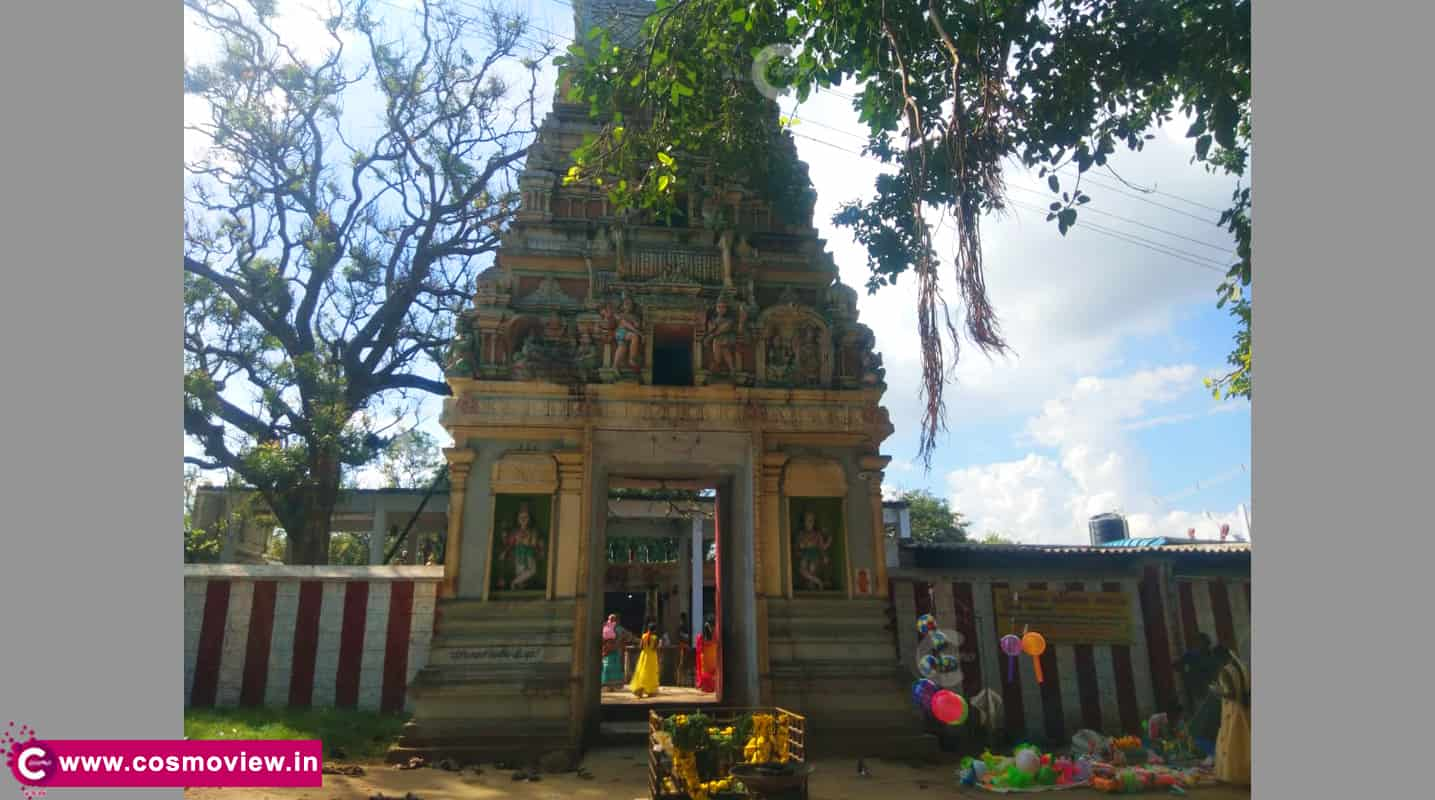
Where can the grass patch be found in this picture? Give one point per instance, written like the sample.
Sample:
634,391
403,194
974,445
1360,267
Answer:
358,735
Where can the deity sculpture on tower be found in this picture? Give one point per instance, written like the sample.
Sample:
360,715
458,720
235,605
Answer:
629,336
721,338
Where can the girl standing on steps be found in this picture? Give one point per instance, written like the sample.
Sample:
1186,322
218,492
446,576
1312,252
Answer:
645,674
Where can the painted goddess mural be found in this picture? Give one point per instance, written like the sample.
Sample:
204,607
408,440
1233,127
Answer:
814,555
522,551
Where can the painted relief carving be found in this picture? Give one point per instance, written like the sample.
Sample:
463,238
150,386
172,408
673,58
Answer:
520,544
523,547
627,336
797,348
817,546
721,338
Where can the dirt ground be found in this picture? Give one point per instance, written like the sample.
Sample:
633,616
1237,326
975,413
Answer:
621,774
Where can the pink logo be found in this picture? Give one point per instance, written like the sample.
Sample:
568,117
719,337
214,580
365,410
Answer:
31,761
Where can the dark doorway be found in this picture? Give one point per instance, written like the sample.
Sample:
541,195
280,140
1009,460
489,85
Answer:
672,355
629,607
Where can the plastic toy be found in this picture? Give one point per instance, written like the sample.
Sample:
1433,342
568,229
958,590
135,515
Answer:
1034,644
1011,645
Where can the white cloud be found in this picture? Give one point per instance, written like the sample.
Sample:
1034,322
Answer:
1067,305
1094,467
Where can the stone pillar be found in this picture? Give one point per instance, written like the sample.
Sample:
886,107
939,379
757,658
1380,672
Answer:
872,467
906,606
378,532
460,462
774,579
695,568
568,533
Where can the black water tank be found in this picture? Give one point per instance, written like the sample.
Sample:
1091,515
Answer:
1106,528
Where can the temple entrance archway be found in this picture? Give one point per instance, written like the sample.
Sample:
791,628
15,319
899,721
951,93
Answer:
719,467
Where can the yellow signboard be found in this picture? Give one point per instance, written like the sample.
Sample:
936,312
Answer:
1065,617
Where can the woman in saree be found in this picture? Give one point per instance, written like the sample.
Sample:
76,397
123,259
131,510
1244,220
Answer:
645,674
706,651
613,638
1233,743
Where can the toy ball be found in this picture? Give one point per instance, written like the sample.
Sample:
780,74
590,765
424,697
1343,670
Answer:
949,707
922,692
938,640
926,623
950,662
928,665
1027,761
963,711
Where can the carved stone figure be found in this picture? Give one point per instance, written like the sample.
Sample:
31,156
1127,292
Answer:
809,355
813,560
521,550
779,359
589,357
462,351
629,336
529,359
721,338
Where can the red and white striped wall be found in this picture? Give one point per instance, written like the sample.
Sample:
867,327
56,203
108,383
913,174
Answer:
1109,688
348,637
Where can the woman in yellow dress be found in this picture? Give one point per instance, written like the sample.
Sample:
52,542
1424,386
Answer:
645,674
1233,743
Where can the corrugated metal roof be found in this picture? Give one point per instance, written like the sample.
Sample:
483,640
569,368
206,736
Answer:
1122,547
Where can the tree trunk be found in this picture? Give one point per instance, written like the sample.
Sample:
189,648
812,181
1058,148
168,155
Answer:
310,512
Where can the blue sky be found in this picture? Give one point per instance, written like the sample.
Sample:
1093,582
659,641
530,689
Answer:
1103,407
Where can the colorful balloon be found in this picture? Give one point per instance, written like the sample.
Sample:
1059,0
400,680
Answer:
1011,645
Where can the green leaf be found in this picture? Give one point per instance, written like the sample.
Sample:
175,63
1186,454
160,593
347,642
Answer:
738,15
1203,146
1065,220
665,159
1053,183
663,181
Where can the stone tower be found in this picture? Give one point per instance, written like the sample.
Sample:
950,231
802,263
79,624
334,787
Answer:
720,350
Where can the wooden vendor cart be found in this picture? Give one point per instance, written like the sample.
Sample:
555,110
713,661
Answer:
660,763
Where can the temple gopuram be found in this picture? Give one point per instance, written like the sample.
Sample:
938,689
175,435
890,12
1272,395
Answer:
717,353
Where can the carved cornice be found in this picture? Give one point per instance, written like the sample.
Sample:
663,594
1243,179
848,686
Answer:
489,404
